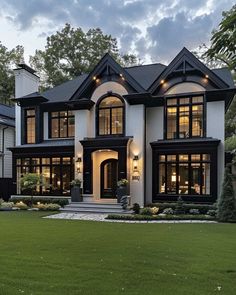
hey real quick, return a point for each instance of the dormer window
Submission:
(110, 115)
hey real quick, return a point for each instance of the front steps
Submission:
(95, 207)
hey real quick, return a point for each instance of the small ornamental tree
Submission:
(29, 182)
(227, 202)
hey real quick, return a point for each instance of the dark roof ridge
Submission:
(156, 63)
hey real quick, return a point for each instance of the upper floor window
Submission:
(184, 117)
(30, 126)
(61, 124)
(111, 116)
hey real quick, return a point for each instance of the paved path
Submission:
(101, 217)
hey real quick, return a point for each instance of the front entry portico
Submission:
(97, 152)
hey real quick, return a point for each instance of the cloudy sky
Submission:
(154, 29)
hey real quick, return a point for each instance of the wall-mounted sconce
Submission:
(78, 164)
(135, 163)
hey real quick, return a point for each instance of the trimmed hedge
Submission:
(158, 217)
(203, 208)
(27, 200)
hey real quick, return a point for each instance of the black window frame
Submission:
(178, 97)
(189, 162)
(110, 113)
(26, 117)
(29, 167)
(58, 118)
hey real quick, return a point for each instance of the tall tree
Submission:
(223, 40)
(8, 60)
(71, 52)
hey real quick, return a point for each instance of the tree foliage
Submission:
(72, 52)
(223, 40)
(8, 60)
(227, 203)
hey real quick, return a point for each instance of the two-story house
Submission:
(161, 127)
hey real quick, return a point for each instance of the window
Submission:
(184, 117)
(184, 174)
(110, 116)
(30, 126)
(57, 174)
(62, 124)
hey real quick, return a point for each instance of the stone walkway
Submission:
(101, 217)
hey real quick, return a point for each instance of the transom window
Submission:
(30, 126)
(111, 116)
(184, 174)
(62, 124)
(184, 117)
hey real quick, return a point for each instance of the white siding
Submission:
(216, 129)
(9, 141)
(154, 131)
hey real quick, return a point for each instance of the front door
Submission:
(109, 178)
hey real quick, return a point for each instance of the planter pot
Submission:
(121, 191)
(76, 195)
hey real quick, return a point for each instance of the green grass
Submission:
(43, 256)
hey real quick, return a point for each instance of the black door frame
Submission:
(113, 191)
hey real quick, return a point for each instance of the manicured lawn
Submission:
(43, 256)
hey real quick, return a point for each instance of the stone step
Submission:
(95, 205)
(95, 210)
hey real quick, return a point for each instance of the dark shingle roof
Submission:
(64, 91)
(225, 75)
(7, 115)
(145, 75)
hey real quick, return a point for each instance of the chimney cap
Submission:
(27, 68)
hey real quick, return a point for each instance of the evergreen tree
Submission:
(227, 203)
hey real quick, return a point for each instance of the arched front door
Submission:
(109, 178)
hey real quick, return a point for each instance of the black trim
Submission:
(90, 145)
(110, 113)
(176, 147)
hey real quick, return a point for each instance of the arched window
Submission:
(110, 114)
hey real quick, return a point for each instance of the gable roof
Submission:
(183, 62)
(144, 76)
(107, 64)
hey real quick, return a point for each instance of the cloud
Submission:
(154, 29)
(171, 34)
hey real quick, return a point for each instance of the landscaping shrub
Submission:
(168, 211)
(27, 200)
(21, 205)
(194, 211)
(6, 205)
(211, 212)
(146, 211)
(52, 207)
(158, 217)
(136, 208)
(154, 210)
(227, 203)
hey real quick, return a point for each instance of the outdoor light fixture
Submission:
(94, 77)
(78, 161)
(206, 76)
(162, 81)
(135, 163)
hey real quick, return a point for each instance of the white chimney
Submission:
(26, 82)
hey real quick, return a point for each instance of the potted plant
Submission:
(76, 195)
(122, 189)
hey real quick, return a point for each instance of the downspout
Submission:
(145, 153)
(3, 148)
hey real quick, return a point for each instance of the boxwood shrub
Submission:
(158, 217)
